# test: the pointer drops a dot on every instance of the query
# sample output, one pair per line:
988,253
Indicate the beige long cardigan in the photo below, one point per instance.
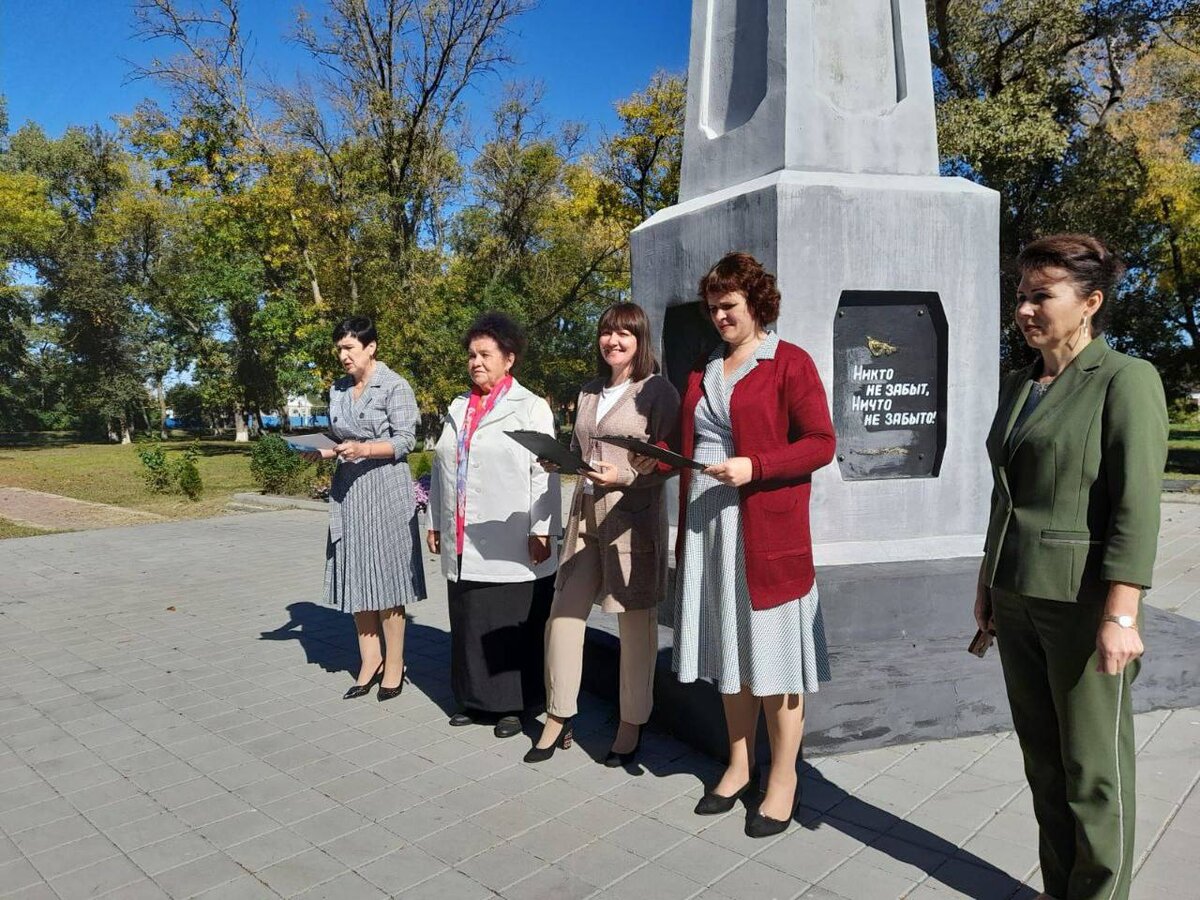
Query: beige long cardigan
631,520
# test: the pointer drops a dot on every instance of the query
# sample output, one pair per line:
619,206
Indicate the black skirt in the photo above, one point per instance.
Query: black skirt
497,644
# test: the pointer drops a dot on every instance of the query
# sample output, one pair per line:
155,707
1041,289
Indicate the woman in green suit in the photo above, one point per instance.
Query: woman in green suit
1077,449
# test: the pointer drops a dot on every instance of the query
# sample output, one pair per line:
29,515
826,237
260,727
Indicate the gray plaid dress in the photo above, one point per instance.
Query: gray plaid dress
718,636
373,556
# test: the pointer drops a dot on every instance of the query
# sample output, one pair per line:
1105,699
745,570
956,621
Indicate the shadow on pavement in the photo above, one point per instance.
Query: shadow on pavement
942,860
328,639
325,634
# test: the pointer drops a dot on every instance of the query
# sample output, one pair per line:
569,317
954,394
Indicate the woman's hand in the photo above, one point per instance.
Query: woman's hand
433,540
735,471
549,467
352,451
539,548
606,474
643,465
1116,647
985,618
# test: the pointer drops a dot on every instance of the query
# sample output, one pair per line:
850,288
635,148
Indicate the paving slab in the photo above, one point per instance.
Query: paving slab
38,509
170,714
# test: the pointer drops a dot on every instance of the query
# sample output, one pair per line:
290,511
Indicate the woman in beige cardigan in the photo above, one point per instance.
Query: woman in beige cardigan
615,550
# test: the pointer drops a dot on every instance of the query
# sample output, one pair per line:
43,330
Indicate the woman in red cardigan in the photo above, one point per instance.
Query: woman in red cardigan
747,616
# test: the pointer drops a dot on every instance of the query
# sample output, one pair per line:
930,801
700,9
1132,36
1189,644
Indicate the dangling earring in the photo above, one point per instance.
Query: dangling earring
1078,334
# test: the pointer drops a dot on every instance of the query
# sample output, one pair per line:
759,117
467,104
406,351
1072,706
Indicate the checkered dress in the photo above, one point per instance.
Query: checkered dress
373,556
718,636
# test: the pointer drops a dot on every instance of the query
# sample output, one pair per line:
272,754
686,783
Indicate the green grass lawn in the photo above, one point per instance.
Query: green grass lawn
1183,452
13,530
110,473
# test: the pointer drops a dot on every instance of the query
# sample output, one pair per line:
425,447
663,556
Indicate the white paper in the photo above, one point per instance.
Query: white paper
306,442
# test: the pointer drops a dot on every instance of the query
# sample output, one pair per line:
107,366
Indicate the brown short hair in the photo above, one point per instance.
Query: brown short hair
1089,263
508,335
743,273
632,318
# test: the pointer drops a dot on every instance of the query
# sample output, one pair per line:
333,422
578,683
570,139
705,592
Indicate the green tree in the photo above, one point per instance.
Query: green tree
27,224
1160,123
84,289
1027,92
643,159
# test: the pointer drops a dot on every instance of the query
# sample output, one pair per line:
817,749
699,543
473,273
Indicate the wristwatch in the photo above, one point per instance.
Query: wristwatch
1123,621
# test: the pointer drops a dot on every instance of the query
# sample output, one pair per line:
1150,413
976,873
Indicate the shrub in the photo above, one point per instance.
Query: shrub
322,480
171,476
276,467
421,463
156,470
1183,411
189,478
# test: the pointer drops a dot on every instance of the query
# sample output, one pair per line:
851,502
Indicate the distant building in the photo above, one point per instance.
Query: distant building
301,413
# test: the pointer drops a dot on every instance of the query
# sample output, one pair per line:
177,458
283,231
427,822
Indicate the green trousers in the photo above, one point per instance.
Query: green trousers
1075,726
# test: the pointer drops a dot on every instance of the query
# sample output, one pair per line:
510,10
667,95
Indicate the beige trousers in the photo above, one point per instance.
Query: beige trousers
579,588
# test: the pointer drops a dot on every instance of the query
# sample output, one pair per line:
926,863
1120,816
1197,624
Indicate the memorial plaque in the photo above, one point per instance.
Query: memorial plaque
889,384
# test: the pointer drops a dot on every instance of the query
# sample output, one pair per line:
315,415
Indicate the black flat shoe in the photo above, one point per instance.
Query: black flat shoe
508,726
760,826
459,719
387,693
616,760
565,739
361,690
713,804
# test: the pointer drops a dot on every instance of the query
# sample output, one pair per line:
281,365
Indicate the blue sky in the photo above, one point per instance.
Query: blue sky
64,62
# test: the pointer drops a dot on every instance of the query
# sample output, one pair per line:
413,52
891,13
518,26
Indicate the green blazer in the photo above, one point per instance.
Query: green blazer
1076,488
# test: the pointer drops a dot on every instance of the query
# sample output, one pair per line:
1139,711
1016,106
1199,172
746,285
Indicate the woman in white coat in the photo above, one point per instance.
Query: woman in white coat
494,518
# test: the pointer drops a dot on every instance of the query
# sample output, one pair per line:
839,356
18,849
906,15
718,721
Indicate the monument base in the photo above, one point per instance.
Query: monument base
827,235
901,673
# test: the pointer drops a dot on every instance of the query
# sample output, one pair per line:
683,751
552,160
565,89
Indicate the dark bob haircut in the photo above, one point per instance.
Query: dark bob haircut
360,328
632,318
1089,263
743,273
508,335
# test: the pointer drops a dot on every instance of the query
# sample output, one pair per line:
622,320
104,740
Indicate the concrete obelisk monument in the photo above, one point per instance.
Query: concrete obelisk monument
811,143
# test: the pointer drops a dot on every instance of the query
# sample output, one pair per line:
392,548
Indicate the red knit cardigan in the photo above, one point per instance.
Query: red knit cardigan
781,422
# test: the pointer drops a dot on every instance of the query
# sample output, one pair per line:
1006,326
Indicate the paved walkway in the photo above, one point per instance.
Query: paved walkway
37,509
171,725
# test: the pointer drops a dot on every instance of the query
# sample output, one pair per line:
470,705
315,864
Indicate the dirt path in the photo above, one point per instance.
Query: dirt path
51,511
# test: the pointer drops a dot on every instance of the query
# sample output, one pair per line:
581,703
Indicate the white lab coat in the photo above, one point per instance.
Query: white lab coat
509,495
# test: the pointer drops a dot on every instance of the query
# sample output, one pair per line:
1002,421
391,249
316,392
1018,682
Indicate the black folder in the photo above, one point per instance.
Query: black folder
545,447
652,450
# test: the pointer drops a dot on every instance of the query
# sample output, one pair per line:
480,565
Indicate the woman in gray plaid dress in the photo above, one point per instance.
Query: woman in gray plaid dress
372,561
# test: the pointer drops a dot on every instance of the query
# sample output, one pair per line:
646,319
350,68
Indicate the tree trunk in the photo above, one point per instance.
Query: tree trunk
239,422
162,411
353,278
126,436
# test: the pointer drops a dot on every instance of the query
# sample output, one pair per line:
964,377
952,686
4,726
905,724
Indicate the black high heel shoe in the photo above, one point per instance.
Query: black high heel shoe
760,826
386,693
713,804
361,690
565,739
616,760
